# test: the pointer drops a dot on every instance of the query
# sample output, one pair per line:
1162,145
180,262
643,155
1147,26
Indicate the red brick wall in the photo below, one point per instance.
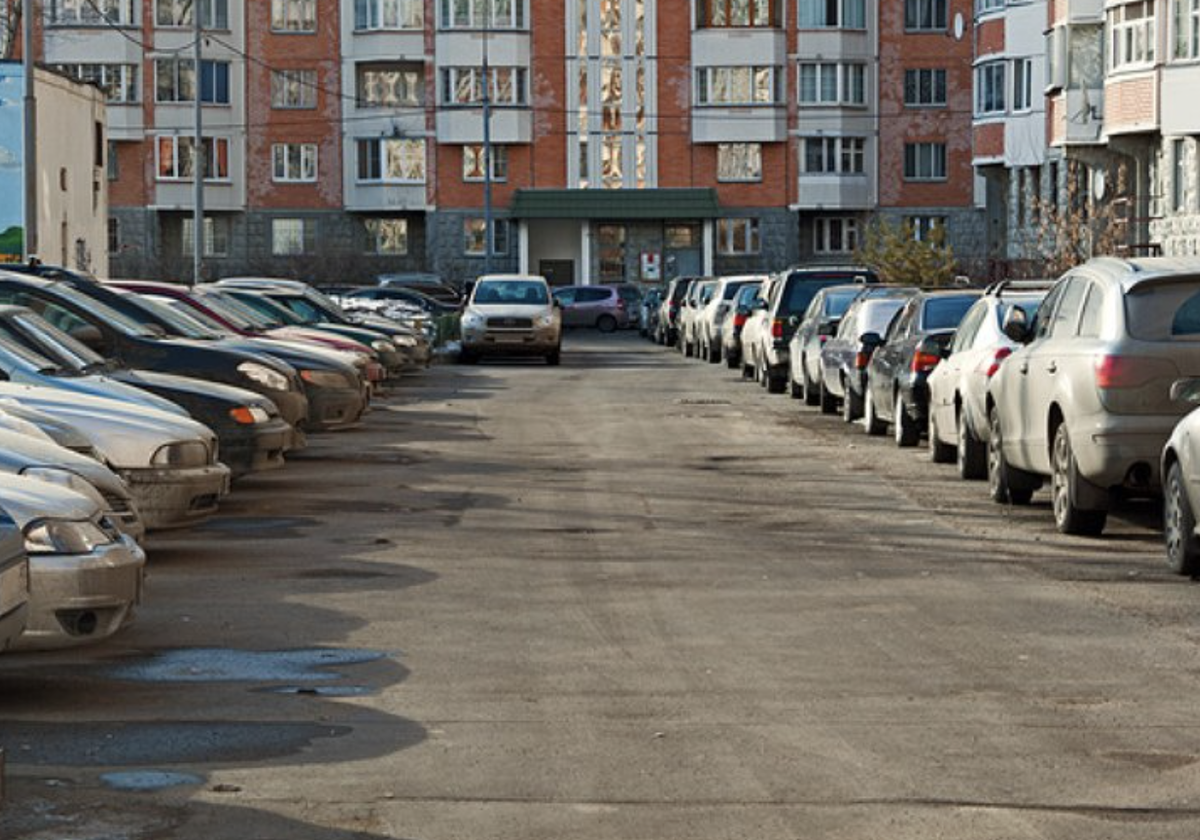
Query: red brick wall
899,51
1056,123
990,37
989,140
679,162
1131,103
268,51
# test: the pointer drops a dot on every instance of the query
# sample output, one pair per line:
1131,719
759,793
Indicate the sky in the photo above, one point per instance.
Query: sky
12,91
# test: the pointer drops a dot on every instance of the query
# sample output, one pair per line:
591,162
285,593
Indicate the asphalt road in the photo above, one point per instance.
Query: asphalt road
631,597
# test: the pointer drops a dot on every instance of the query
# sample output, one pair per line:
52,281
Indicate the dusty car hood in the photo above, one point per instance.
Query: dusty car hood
30,499
126,435
192,385
19,452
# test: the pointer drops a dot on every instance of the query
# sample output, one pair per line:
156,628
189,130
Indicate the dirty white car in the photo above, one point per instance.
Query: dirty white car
511,315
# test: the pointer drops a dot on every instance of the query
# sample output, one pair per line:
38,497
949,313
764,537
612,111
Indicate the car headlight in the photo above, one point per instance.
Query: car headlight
249,415
472,319
181,454
405,341
323,378
263,375
381,346
64,536
68,479
546,320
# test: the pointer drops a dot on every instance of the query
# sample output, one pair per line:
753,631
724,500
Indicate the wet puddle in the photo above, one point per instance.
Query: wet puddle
149,780
225,665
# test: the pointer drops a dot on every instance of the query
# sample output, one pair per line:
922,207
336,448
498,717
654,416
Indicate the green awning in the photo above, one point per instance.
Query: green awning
616,204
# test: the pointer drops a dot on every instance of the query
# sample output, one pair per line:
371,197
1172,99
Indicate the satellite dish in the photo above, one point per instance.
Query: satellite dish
1099,185
959,26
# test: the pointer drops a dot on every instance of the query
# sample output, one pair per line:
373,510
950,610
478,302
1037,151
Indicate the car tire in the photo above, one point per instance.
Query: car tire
871,422
812,394
1065,479
606,324
1001,485
467,357
1179,525
747,371
852,407
827,400
903,427
732,362
714,354
795,390
939,452
554,357
970,453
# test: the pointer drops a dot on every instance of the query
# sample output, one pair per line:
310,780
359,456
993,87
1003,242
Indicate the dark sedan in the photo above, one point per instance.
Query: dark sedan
897,386
845,355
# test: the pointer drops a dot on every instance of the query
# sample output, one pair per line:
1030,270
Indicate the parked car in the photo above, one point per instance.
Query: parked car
790,295
1180,469
958,386
710,321
632,295
253,437
672,304
845,355
429,284
116,336
816,326
648,319
14,580
698,296
741,307
1089,401
85,577
601,307
511,314
897,374
383,295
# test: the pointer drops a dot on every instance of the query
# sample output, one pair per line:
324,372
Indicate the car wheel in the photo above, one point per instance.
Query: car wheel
1064,479
827,400
903,427
1179,525
606,323
554,357
467,357
970,453
794,389
732,362
851,404
812,394
999,473
714,354
871,422
939,453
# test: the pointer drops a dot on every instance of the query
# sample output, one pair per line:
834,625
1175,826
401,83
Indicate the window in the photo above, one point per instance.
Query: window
715,13
834,155
924,161
1133,32
293,15
114,235
736,86
387,236
473,166
840,14
1022,84
392,160
925,15
175,81
475,242
611,239
1092,318
1179,182
388,85
477,14
925,88
294,162
989,88
216,236
214,14
293,237
293,88
389,14
833,84
118,81
464,85
90,12
114,167
738,237
175,158
982,7
739,161
835,234
1187,28
927,228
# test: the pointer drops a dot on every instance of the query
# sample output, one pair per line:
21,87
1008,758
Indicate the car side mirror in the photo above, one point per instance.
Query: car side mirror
89,336
558,304
794,321
1186,390
870,340
1016,325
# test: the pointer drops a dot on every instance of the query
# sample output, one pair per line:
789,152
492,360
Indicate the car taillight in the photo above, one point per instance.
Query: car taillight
739,320
989,366
861,358
777,328
822,339
1131,371
923,362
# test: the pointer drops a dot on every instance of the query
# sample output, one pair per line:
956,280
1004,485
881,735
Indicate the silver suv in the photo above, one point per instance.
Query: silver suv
511,315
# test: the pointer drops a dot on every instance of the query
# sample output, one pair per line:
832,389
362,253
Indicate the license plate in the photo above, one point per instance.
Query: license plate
14,587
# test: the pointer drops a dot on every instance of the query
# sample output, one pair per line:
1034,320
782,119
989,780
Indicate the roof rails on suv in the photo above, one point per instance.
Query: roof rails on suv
1001,286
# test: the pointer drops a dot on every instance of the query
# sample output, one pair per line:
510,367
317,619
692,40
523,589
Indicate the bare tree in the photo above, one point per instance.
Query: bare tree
1078,227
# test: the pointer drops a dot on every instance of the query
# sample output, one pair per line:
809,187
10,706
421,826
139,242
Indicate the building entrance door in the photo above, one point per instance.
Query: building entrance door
557,272
685,262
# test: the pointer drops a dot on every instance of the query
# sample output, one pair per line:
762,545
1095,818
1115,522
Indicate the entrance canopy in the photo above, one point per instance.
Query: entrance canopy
616,204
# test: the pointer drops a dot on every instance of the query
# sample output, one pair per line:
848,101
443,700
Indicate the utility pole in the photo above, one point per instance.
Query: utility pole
487,144
197,150
30,143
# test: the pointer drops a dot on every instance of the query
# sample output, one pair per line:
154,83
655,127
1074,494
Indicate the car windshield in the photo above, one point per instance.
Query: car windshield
14,354
1029,307
747,294
877,314
521,292
176,314
802,289
50,340
1164,311
944,313
837,302
732,289
106,313
272,310
230,310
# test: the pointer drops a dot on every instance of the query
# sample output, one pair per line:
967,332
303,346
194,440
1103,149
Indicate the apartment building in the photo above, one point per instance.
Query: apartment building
630,139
